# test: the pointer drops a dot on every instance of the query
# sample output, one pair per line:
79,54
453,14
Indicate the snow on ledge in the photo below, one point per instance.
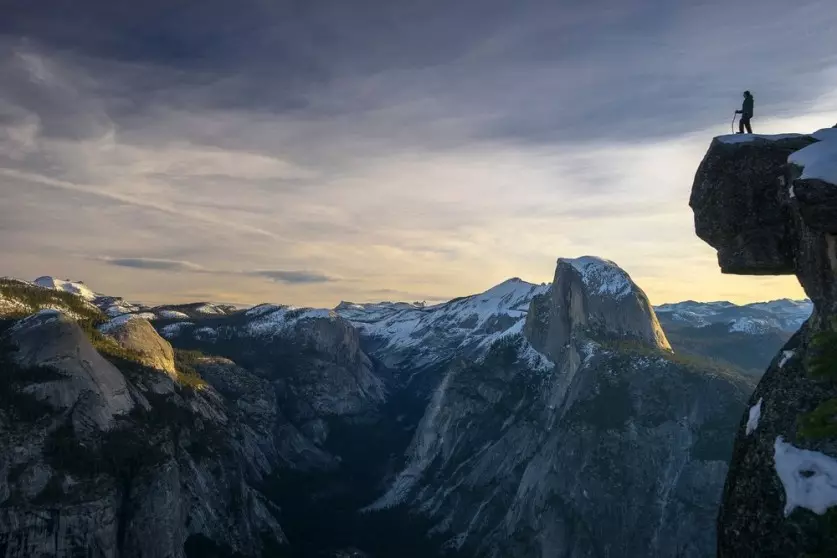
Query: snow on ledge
753,419
819,160
809,477
747,138
109,326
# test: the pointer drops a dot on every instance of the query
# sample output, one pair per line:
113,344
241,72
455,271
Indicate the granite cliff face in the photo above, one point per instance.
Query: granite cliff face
596,297
101,459
115,444
768,206
584,436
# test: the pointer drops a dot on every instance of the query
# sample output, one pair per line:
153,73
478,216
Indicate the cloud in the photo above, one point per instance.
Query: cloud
290,277
156,264
432,149
294,277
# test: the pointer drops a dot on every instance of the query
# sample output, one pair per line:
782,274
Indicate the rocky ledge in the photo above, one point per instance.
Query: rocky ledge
768,205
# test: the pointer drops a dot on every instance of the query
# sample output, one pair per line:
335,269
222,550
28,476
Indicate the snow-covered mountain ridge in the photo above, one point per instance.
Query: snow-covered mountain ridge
784,314
423,334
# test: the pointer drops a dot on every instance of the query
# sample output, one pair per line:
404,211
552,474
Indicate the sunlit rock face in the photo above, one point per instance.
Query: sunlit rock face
768,207
112,447
594,296
584,436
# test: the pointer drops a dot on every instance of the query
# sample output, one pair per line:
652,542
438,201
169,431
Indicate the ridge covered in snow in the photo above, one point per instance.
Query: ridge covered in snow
74,287
279,319
425,334
783,315
112,324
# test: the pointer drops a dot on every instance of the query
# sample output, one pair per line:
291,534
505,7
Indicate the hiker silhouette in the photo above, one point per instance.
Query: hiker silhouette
746,113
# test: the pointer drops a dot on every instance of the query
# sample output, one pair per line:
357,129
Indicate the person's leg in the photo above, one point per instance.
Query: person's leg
741,125
746,122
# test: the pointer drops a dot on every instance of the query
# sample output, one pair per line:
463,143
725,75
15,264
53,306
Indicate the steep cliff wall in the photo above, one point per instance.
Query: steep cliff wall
769,206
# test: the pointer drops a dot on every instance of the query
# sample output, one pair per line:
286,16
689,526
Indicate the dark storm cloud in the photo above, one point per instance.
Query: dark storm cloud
530,71
293,277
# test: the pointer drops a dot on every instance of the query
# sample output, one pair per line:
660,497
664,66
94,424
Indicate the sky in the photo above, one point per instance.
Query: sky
312,151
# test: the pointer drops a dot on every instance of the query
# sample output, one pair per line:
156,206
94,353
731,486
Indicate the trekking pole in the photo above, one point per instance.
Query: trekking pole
732,125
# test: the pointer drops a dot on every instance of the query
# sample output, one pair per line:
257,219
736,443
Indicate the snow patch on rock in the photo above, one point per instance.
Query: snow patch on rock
172,315
752,326
786,356
74,287
262,309
120,308
819,160
282,319
753,419
173,330
110,325
535,360
809,477
43,316
205,334
209,309
602,276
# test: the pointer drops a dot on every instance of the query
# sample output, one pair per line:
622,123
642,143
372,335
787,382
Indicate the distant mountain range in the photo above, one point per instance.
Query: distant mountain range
758,317
527,420
415,334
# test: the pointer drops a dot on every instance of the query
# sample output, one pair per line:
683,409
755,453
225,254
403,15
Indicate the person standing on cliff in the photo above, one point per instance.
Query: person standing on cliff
746,113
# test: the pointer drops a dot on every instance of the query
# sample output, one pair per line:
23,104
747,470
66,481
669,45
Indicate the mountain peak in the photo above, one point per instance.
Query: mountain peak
601,276
74,287
591,297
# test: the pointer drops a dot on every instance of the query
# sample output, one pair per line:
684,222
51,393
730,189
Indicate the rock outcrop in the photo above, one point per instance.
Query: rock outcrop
86,385
596,298
763,204
598,443
140,337
97,461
